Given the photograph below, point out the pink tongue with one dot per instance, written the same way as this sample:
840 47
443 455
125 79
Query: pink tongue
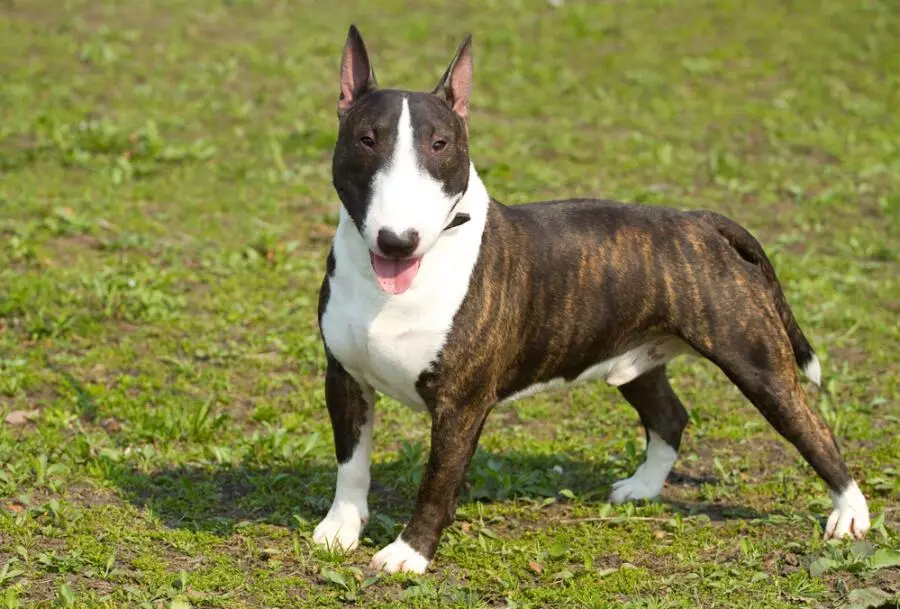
395 276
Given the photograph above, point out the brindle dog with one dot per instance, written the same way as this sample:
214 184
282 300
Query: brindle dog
447 300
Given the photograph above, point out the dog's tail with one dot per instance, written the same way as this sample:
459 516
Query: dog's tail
751 251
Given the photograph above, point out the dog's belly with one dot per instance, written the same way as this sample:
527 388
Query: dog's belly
617 370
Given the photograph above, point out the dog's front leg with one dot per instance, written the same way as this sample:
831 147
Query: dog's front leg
454 436
352 412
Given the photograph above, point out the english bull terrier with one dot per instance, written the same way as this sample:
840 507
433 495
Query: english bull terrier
447 300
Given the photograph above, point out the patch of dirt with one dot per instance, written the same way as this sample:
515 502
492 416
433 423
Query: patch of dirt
764 454
90 496
43 591
679 477
319 233
504 418
718 513
542 428
66 243
81 494
18 151
854 355
817 155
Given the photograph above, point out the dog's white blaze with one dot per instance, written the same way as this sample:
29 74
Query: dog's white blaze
850 515
405 196
813 370
399 556
617 370
350 510
387 340
647 482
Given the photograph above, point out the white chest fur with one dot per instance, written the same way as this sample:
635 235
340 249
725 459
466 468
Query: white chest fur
386 340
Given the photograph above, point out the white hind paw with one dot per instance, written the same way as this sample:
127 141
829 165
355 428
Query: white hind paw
634 488
647 482
850 516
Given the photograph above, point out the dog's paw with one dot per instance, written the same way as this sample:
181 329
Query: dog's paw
636 487
847 522
647 482
340 529
399 557
850 516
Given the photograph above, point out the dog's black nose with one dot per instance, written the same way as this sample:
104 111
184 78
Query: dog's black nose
398 246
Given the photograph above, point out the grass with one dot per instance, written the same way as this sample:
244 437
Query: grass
165 210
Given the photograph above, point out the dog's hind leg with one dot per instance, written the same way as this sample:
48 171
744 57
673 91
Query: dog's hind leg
760 361
351 407
664 418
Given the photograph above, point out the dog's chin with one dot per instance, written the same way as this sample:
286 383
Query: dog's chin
394 275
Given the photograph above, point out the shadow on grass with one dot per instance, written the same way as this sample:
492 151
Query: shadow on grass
221 499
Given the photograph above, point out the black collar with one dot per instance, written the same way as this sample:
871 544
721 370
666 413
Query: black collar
458 219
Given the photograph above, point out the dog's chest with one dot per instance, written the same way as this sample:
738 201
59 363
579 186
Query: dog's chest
387 347
384 340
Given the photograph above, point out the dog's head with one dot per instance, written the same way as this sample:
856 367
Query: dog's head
401 162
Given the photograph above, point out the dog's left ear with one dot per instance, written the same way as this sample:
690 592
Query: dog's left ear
456 85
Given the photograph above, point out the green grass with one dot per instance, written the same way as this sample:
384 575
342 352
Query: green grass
165 210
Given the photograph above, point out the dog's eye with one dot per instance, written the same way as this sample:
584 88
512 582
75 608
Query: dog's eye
438 145
367 141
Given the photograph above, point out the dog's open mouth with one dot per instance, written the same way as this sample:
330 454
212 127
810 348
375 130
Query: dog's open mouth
394 276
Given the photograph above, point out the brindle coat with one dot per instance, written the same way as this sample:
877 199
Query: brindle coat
563 285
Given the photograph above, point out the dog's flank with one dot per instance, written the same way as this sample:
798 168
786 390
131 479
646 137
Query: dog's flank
750 249
455 317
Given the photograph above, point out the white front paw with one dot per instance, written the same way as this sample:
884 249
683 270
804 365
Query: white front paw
850 515
340 529
399 557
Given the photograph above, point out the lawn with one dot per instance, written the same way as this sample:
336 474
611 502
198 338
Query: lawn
165 211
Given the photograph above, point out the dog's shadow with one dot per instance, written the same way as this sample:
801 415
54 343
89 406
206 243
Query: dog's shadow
222 498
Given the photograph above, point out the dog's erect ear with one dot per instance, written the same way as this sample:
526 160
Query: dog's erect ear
456 85
357 75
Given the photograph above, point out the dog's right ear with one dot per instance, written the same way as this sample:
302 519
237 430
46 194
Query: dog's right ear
357 76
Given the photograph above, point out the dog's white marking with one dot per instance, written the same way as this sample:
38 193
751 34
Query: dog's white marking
535 389
399 556
647 482
388 340
617 370
850 515
813 371
340 528
405 196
